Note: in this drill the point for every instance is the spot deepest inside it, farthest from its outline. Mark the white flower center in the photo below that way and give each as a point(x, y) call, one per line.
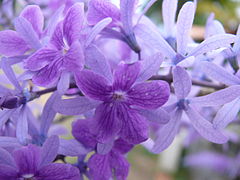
point(118, 95)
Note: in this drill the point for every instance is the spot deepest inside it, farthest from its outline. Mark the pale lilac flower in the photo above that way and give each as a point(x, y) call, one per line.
point(29, 27)
point(182, 86)
point(181, 54)
point(229, 111)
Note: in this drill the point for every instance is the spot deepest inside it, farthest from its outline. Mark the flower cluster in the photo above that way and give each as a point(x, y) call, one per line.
point(124, 81)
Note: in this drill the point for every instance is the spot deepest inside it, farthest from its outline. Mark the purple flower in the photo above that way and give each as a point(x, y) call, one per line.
point(28, 27)
point(108, 161)
point(63, 55)
point(118, 114)
point(15, 102)
point(217, 162)
point(182, 86)
point(35, 162)
point(112, 164)
point(229, 111)
point(121, 18)
point(181, 53)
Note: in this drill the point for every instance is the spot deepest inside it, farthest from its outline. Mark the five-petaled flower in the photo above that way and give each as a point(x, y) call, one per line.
point(118, 114)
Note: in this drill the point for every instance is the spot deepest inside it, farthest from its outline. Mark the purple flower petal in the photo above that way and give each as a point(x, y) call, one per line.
point(226, 114)
point(40, 59)
point(74, 58)
point(63, 83)
point(218, 98)
point(93, 85)
point(149, 95)
point(5, 115)
point(96, 30)
point(205, 128)
point(104, 148)
point(122, 146)
point(11, 44)
point(6, 158)
point(7, 69)
point(9, 142)
point(7, 172)
point(48, 114)
point(71, 148)
point(108, 124)
point(101, 9)
point(213, 27)
point(48, 75)
point(26, 31)
point(150, 66)
point(120, 166)
point(96, 60)
point(99, 166)
point(167, 133)
point(127, 10)
point(159, 116)
point(16, 59)
point(125, 75)
point(53, 21)
point(22, 126)
point(134, 126)
point(219, 73)
point(184, 25)
point(73, 23)
point(187, 62)
point(146, 8)
point(58, 171)
point(169, 9)
point(213, 43)
point(34, 15)
point(154, 40)
point(49, 151)
point(182, 82)
point(27, 159)
point(74, 106)
point(57, 36)
point(81, 130)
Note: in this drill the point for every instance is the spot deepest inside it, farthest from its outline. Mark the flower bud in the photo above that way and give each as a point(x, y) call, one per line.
point(12, 102)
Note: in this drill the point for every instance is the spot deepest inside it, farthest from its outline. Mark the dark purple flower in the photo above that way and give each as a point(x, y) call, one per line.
point(121, 99)
point(112, 164)
point(108, 161)
point(32, 162)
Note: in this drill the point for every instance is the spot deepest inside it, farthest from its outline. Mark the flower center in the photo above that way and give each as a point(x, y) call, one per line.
point(28, 176)
point(183, 104)
point(118, 96)
point(66, 47)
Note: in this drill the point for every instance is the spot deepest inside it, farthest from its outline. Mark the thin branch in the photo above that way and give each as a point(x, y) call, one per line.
point(52, 89)
point(167, 78)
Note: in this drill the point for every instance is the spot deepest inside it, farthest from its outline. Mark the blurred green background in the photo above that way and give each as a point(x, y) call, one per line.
point(226, 11)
